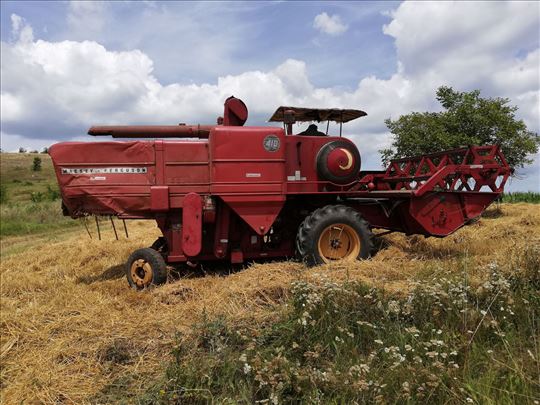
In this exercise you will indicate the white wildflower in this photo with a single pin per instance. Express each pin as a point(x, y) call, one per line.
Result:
point(393, 306)
point(412, 330)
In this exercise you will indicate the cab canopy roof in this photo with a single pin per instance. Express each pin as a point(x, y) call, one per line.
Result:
point(318, 114)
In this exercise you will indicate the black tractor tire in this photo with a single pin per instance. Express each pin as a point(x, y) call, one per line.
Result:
point(144, 268)
point(352, 236)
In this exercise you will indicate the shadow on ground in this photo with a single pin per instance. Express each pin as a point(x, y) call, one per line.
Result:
point(175, 273)
point(112, 273)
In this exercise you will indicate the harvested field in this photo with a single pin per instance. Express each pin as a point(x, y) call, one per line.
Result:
point(72, 330)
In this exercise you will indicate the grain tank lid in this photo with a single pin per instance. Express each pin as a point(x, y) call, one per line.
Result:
point(318, 114)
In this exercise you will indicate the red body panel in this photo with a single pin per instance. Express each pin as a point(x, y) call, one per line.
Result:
point(192, 224)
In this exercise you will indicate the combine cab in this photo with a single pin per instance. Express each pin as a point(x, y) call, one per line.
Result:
point(230, 192)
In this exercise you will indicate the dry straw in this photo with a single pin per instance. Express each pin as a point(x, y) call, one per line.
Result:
point(70, 326)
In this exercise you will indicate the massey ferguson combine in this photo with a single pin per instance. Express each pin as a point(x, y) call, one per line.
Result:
point(236, 193)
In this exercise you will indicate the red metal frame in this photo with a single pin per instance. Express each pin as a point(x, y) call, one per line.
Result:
point(463, 169)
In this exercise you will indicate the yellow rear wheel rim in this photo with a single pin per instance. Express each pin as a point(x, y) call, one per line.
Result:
point(339, 242)
point(141, 273)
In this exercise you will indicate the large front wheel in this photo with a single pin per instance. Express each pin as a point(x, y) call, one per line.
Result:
point(333, 233)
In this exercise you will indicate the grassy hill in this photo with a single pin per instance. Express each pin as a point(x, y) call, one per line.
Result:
point(20, 181)
point(30, 199)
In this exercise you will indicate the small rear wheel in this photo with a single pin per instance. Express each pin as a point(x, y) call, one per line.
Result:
point(333, 233)
point(145, 267)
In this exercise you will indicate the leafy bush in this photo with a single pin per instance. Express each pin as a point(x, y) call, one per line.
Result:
point(36, 164)
point(51, 194)
point(37, 196)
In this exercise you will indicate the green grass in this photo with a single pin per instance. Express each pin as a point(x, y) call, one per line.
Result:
point(33, 217)
point(29, 199)
point(18, 179)
point(527, 197)
point(444, 342)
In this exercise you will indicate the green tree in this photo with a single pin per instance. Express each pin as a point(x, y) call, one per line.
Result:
point(466, 119)
point(36, 164)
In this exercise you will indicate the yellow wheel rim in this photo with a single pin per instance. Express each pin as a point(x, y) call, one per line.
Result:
point(339, 242)
point(141, 273)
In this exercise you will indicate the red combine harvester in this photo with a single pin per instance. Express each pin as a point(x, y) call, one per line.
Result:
point(238, 193)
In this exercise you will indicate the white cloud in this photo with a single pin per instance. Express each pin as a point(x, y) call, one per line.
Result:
point(11, 109)
point(430, 34)
point(331, 25)
point(472, 45)
point(87, 17)
point(188, 41)
point(20, 30)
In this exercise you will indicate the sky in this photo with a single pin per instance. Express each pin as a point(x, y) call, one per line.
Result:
point(68, 65)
